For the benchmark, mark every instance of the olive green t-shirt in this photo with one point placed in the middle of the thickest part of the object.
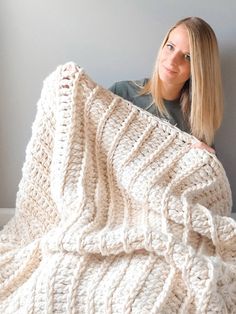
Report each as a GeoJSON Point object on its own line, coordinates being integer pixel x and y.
{"type": "Point", "coordinates": [130, 90]}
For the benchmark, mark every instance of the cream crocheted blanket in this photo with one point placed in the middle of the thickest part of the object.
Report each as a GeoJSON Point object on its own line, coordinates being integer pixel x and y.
{"type": "Point", "coordinates": [116, 212]}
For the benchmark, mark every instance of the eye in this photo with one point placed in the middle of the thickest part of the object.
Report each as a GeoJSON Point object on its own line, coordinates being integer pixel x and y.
{"type": "Point", "coordinates": [187, 57]}
{"type": "Point", "coordinates": [170, 46]}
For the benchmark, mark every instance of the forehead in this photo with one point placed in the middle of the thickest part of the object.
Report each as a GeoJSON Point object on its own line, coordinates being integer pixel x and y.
{"type": "Point", "coordinates": [179, 37]}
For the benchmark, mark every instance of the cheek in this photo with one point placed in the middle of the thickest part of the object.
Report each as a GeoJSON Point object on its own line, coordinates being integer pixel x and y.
{"type": "Point", "coordinates": [163, 55]}
{"type": "Point", "coordinates": [186, 72]}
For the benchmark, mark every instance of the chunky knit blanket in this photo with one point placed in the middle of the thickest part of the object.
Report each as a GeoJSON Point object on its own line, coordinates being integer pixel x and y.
{"type": "Point", "coordinates": [115, 212]}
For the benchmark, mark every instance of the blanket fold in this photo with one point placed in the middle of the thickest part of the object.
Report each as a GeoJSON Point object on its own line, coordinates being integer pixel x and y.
{"type": "Point", "coordinates": [115, 212]}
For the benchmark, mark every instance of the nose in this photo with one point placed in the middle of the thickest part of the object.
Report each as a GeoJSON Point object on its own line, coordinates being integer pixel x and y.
{"type": "Point", "coordinates": [174, 58]}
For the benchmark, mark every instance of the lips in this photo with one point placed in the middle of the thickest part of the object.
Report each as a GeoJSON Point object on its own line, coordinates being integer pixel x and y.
{"type": "Point", "coordinates": [169, 70]}
{"type": "Point", "coordinates": [167, 73]}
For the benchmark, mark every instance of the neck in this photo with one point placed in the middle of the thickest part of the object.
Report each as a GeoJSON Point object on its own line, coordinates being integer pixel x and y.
{"type": "Point", "coordinates": [170, 92]}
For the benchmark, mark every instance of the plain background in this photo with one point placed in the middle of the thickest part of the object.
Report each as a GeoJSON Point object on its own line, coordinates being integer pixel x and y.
{"type": "Point", "coordinates": [112, 40]}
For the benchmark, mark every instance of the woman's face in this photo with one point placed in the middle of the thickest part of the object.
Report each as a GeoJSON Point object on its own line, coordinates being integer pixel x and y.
{"type": "Point", "coordinates": [174, 62]}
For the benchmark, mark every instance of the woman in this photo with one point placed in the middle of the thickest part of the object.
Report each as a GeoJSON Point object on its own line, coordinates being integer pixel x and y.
{"type": "Point", "coordinates": [185, 87]}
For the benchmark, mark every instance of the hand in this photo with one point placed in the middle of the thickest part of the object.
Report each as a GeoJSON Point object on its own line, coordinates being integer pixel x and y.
{"type": "Point", "coordinates": [203, 145]}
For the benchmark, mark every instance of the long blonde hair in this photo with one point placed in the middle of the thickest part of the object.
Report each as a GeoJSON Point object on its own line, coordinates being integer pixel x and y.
{"type": "Point", "coordinates": [201, 96]}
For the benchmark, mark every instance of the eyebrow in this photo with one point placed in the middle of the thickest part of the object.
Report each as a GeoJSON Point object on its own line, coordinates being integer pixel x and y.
{"type": "Point", "coordinates": [171, 42]}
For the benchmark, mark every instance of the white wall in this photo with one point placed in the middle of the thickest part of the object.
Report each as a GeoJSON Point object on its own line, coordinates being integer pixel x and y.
{"type": "Point", "coordinates": [112, 40]}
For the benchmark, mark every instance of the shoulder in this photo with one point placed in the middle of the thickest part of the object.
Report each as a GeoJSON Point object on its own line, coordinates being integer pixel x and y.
{"type": "Point", "coordinates": [128, 89]}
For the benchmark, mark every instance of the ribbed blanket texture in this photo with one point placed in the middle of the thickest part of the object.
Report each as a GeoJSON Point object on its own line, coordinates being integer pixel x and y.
{"type": "Point", "coordinates": [116, 212]}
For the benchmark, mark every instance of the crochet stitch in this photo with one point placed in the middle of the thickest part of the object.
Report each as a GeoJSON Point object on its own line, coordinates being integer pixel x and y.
{"type": "Point", "coordinates": [115, 212]}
